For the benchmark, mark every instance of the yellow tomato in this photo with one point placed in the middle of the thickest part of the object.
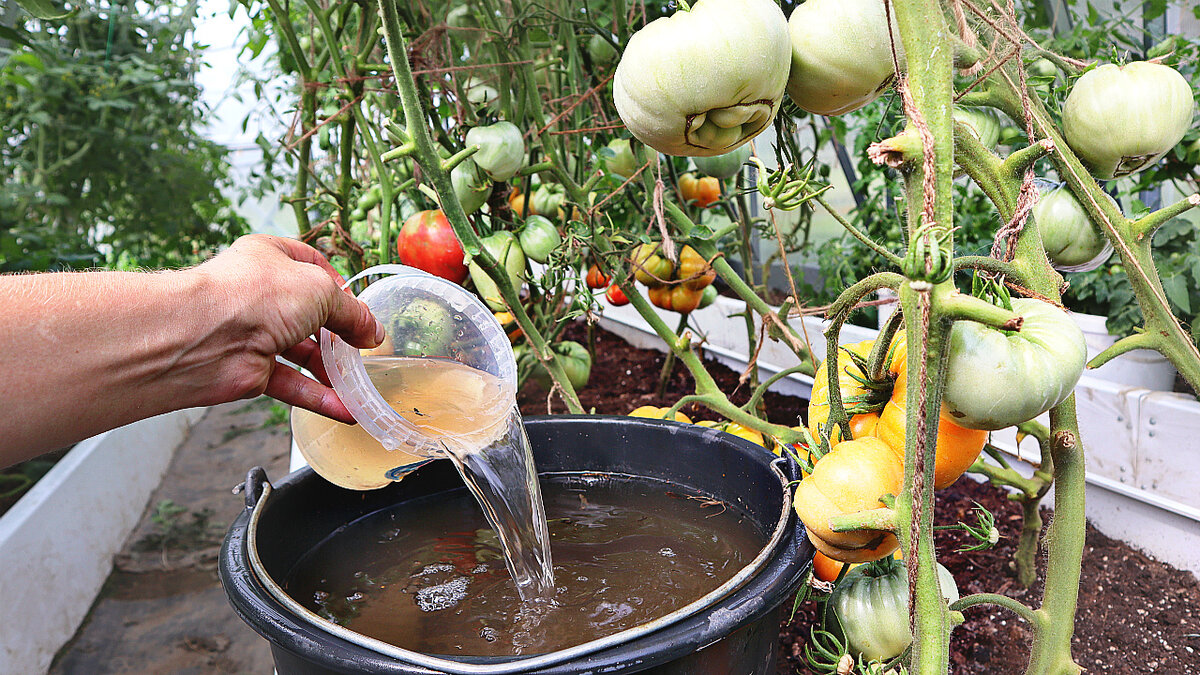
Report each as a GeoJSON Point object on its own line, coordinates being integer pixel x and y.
{"type": "Point", "coordinates": [737, 430]}
{"type": "Point", "coordinates": [656, 413]}
{"type": "Point", "coordinates": [510, 325]}
{"type": "Point", "coordinates": [818, 405]}
{"type": "Point", "coordinates": [851, 478]}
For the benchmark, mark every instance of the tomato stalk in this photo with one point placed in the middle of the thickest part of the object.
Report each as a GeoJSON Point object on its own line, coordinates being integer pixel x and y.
{"type": "Point", "coordinates": [427, 156]}
{"type": "Point", "coordinates": [924, 32]}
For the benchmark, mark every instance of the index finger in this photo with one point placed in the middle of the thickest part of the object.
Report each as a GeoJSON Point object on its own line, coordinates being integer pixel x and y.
{"type": "Point", "coordinates": [301, 252]}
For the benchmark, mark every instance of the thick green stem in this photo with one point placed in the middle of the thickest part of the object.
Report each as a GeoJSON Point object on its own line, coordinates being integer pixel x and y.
{"type": "Point", "coordinates": [926, 36]}
{"type": "Point", "coordinates": [1051, 653]}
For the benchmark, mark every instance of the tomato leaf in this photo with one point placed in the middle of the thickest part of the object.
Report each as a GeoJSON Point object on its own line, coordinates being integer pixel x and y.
{"type": "Point", "coordinates": [46, 9]}
{"type": "Point", "coordinates": [1177, 292]}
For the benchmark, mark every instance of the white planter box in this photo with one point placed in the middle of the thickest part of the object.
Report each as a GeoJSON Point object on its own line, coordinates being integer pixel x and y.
{"type": "Point", "coordinates": [1143, 446]}
{"type": "Point", "coordinates": [57, 543]}
{"type": "Point", "coordinates": [1143, 368]}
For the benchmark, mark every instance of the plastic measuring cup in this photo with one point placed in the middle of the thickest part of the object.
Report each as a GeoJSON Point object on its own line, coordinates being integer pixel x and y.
{"type": "Point", "coordinates": [454, 382]}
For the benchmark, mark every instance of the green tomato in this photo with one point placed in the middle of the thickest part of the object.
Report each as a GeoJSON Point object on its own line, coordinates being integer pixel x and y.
{"type": "Point", "coordinates": [996, 379]}
{"type": "Point", "coordinates": [470, 185]}
{"type": "Point", "coordinates": [507, 251]}
{"type": "Point", "coordinates": [539, 238]}
{"type": "Point", "coordinates": [723, 166]}
{"type": "Point", "coordinates": [548, 199]}
{"type": "Point", "coordinates": [480, 93]}
{"type": "Point", "coordinates": [360, 231]}
{"type": "Point", "coordinates": [371, 198]}
{"type": "Point", "coordinates": [1072, 242]}
{"type": "Point", "coordinates": [575, 361]}
{"type": "Point", "coordinates": [462, 17]}
{"type": "Point", "coordinates": [703, 81]}
{"type": "Point", "coordinates": [841, 55]}
{"type": "Point", "coordinates": [1121, 119]}
{"type": "Point", "coordinates": [983, 122]}
{"type": "Point", "coordinates": [501, 149]}
{"type": "Point", "coordinates": [624, 161]}
{"type": "Point", "coordinates": [709, 296]}
{"type": "Point", "coordinates": [601, 51]}
{"type": "Point", "coordinates": [873, 610]}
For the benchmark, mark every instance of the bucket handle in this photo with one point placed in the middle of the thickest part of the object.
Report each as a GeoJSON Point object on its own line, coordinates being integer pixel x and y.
{"type": "Point", "coordinates": [253, 486]}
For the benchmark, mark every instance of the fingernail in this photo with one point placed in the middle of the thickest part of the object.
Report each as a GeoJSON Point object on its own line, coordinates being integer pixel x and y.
{"type": "Point", "coordinates": [380, 334]}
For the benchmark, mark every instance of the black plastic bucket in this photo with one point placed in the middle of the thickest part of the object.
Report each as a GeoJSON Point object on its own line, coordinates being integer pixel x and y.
{"type": "Point", "coordinates": [732, 632]}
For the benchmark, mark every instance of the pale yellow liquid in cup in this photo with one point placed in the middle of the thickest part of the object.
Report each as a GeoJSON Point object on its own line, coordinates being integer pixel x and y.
{"type": "Point", "coordinates": [467, 407]}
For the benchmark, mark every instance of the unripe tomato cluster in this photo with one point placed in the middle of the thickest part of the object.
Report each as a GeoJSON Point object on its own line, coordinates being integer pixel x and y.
{"type": "Point", "coordinates": [676, 287]}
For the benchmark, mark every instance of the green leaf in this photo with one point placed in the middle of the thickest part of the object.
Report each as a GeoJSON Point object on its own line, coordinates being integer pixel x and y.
{"type": "Point", "coordinates": [46, 10]}
{"type": "Point", "coordinates": [14, 35]}
{"type": "Point", "coordinates": [1177, 292]}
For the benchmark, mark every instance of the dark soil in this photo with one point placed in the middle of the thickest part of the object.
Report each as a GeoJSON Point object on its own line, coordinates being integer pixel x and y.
{"type": "Point", "coordinates": [1135, 615]}
{"type": "Point", "coordinates": [624, 378]}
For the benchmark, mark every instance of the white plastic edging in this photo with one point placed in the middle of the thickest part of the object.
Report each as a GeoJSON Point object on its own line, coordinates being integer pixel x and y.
{"type": "Point", "coordinates": [58, 541]}
{"type": "Point", "coordinates": [1143, 456]}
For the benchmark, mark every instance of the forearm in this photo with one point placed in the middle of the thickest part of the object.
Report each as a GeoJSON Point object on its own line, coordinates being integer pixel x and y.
{"type": "Point", "coordinates": [86, 352]}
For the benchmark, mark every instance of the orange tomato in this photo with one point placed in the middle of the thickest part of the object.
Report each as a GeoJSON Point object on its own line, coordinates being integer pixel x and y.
{"type": "Point", "coordinates": [520, 205]}
{"type": "Point", "coordinates": [510, 325]}
{"type": "Point", "coordinates": [675, 298]}
{"type": "Point", "coordinates": [851, 478]}
{"type": "Point", "coordinates": [616, 297]}
{"type": "Point", "coordinates": [704, 191]}
{"type": "Point", "coordinates": [957, 447]}
{"type": "Point", "coordinates": [828, 569]}
{"type": "Point", "coordinates": [694, 270]}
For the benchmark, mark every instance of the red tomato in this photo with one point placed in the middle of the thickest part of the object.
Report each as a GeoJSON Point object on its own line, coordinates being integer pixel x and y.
{"type": "Point", "coordinates": [427, 242]}
{"type": "Point", "coordinates": [616, 297]}
{"type": "Point", "coordinates": [596, 279]}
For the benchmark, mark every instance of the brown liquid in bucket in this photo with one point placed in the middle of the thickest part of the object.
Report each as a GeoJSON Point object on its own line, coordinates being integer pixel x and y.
{"type": "Point", "coordinates": [429, 576]}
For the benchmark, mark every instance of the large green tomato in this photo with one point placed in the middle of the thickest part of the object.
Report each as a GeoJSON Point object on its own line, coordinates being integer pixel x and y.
{"type": "Point", "coordinates": [723, 166]}
{"type": "Point", "coordinates": [996, 379]}
{"type": "Point", "coordinates": [873, 610]}
{"type": "Point", "coordinates": [471, 186]}
{"type": "Point", "coordinates": [1072, 242]}
{"type": "Point", "coordinates": [704, 81]}
{"type": "Point", "coordinates": [841, 55]}
{"type": "Point", "coordinates": [539, 238]}
{"type": "Point", "coordinates": [501, 149]}
{"type": "Point", "coordinates": [507, 251]}
{"type": "Point", "coordinates": [983, 122]}
{"type": "Point", "coordinates": [575, 360]}
{"type": "Point", "coordinates": [1121, 119]}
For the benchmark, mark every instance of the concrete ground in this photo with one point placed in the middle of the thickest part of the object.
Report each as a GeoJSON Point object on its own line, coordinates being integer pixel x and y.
{"type": "Point", "coordinates": [162, 610]}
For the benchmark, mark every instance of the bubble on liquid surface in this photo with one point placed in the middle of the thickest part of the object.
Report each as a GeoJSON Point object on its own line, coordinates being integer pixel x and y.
{"type": "Point", "coordinates": [435, 568]}
{"type": "Point", "coordinates": [666, 552]}
{"type": "Point", "coordinates": [442, 596]}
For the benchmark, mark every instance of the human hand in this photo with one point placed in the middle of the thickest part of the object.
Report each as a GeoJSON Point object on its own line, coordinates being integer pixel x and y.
{"type": "Point", "coordinates": [269, 295]}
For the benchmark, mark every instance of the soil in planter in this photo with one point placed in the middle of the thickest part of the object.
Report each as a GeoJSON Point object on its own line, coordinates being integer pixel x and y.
{"type": "Point", "coordinates": [624, 377]}
{"type": "Point", "coordinates": [1135, 615]}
